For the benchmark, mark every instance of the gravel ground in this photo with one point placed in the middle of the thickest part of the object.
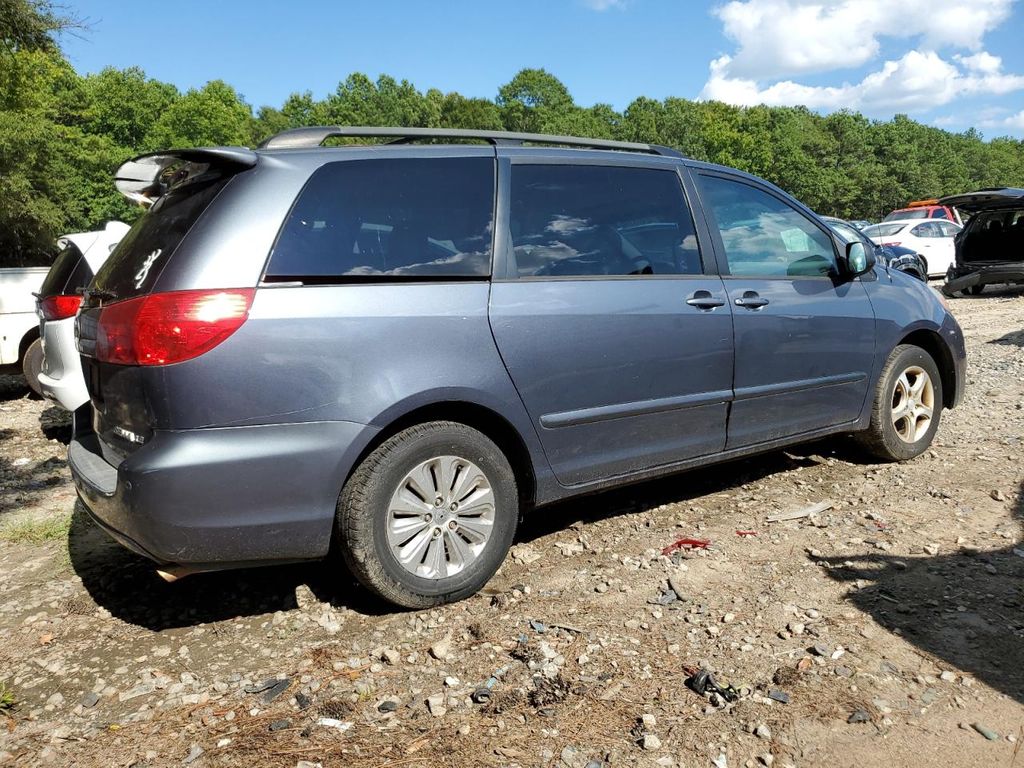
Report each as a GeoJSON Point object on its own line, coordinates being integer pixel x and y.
{"type": "Point", "coordinates": [885, 630]}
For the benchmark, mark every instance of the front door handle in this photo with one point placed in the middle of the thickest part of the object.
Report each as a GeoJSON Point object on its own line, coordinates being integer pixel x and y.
{"type": "Point", "coordinates": [751, 300]}
{"type": "Point", "coordinates": [704, 300]}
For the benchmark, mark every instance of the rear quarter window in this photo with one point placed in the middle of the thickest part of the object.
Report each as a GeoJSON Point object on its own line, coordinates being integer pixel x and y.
{"type": "Point", "coordinates": [393, 218]}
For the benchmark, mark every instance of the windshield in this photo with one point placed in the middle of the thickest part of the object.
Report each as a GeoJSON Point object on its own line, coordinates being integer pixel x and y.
{"type": "Point", "coordinates": [883, 230]}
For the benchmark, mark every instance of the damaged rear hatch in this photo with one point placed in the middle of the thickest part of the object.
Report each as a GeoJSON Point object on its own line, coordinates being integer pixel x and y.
{"type": "Point", "coordinates": [990, 249]}
{"type": "Point", "coordinates": [116, 348]}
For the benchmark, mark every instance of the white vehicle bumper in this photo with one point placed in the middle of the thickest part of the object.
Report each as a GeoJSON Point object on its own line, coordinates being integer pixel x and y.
{"type": "Point", "coordinates": [61, 378]}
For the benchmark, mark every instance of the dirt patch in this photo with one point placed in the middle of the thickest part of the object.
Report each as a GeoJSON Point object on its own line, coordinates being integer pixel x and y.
{"type": "Point", "coordinates": [877, 632]}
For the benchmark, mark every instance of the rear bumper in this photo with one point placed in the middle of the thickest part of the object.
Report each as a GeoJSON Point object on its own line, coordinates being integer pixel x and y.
{"type": "Point", "coordinates": [217, 498]}
{"type": "Point", "coordinates": [61, 378]}
{"type": "Point", "coordinates": [962, 277]}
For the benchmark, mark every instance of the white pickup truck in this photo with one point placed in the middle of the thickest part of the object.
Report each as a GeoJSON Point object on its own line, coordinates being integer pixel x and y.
{"type": "Point", "coordinates": [20, 349]}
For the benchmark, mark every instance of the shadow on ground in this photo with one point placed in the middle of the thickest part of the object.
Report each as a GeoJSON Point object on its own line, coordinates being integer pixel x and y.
{"type": "Point", "coordinates": [13, 387]}
{"type": "Point", "coordinates": [684, 486]}
{"type": "Point", "coordinates": [964, 609]}
{"type": "Point", "coordinates": [1011, 339]}
{"type": "Point", "coordinates": [24, 480]}
{"type": "Point", "coordinates": [990, 292]}
{"type": "Point", "coordinates": [128, 586]}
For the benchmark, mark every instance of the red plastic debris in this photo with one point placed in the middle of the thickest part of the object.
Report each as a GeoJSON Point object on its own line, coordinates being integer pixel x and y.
{"type": "Point", "coordinates": [686, 544]}
{"type": "Point", "coordinates": [746, 533]}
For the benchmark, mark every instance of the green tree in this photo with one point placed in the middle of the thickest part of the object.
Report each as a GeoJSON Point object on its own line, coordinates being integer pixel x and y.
{"type": "Point", "coordinates": [125, 105]}
{"type": "Point", "coordinates": [359, 101]}
{"type": "Point", "coordinates": [30, 25]}
{"type": "Point", "coordinates": [213, 115]}
{"type": "Point", "coordinates": [459, 112]}
{"type": "Point", "coordinates": [62, 135]}
{"type": "Point", "coordinates": [532, 99]}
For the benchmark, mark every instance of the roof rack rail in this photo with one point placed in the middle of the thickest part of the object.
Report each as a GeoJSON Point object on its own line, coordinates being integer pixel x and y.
{"type": "Point", "coordinates": [314, 136]}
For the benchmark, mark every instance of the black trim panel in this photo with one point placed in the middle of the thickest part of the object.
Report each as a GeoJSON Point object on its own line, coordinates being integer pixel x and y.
{"type": "Point", "coordinates": [641, 408]}
{"type": "Point", "coordinates": [801, 385]}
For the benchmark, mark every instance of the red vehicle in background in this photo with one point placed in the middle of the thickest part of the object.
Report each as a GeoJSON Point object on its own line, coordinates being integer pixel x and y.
{"type": "Point", "coordinates": [925, 209]}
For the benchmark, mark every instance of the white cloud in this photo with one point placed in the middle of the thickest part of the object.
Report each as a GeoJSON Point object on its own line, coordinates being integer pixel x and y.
{"type": "Point", "coordinates": [919, 80]}
{"type": "Point", "coordinates": [779, 38]}
{"type": "Point", "coordinates": [604, 5]}
{"type": "Point", "coordinates": [1013, 122]}
{"type": "Point", "coordinates": [984, 63]}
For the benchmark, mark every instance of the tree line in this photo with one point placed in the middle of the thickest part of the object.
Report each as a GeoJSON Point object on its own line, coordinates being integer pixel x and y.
{"type": "Point", "coordinates": [63, 134]}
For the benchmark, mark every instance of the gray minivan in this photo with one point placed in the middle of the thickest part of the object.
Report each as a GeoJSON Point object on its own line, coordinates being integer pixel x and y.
{"type": "Point", "coordinates": [395, 349]}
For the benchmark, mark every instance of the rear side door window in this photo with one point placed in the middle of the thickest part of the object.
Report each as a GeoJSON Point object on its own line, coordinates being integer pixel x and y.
{"type": "Point", "coordinates": [390, 218]}
{"type": "Point", "coordinates": [931, 229]}
{"type": "Point", "coordinates": [591, 220]}
{"type": "Point", "coordinates": [763, 236]}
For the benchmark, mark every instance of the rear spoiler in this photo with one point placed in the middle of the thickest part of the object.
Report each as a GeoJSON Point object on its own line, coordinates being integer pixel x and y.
{"type": "Point", "coordinates": [146, 178]}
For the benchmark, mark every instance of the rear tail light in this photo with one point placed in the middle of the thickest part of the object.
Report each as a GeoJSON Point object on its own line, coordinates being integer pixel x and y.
{"type": "Point", "coordinates": [165, 328]}
{"type": "Point", "coordinates": [59, 307]}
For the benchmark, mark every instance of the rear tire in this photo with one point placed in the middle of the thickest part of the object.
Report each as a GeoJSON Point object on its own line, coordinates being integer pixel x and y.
{"type": "Point", "coordinates": [32, 364]}
{"type": "Point", "coordinates": [907, 406]}
{"type": "Point", "coordinates": [399, 523]}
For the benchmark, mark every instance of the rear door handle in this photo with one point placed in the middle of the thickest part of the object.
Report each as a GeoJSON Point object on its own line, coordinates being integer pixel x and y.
{"type": "Point", "coordinates": [704, 300]}
{"type": "Point", "coordinates": [751, 300]}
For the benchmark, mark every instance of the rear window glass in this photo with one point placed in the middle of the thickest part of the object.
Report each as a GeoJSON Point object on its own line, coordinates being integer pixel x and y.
{"type": "Point", "coordinates": [70, 270]}
{"type": "Point", "coordinates": [883, 230]}
{"type": "Point", "coordinates": [390, 218]}
{"type": "Point", "coordinates": [908, 213]}
{"type": "Point", "coordinates": [137, 260]}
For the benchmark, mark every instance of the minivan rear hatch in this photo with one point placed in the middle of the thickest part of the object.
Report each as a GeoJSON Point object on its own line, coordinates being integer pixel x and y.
{"type": "Point", "coordinates": [986, 199]}
{"type": "Point", "coordinates": [177, 187]}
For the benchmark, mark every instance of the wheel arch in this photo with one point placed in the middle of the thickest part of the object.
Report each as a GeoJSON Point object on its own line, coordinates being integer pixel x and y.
{"type": "Point", "coordinates": [931, 342]}
{"type": "Point", "coordinates": [26, 341]}
{"type": "Point", "coordinates": [482, 418]}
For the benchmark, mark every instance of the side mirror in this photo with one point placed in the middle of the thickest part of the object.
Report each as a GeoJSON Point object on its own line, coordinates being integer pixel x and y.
{"type": "Point", "coordinates": [858, 260]}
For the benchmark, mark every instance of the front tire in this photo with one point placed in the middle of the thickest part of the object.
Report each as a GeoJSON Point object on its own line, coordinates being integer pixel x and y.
{"type": "Point", "coordinates": [428, 517]}
{"type": "Point", "coordinates": [907, 406]}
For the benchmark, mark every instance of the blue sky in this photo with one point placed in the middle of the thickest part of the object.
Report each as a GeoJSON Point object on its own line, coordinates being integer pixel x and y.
{"type": "Point", "coordinates": [952, 64]}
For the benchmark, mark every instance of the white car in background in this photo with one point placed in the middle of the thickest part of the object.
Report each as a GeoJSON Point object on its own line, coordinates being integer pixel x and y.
{"type": "Point", "coordinates": [20, 350]}
{"type": "Point", "coordinates": [931, 238]}
{"type": "Point", "coordinates": [80, 257]}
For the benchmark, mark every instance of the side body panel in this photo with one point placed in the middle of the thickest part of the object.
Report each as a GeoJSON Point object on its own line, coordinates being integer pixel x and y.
{"type": "Point", "coordinates": [618, 373]}
{"type": "Point", "coordinates": [804, 348]}
{"type": "Point", "coordinates": [903, 305]}
{"type": "Point", "coordinates": [803, 361]}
